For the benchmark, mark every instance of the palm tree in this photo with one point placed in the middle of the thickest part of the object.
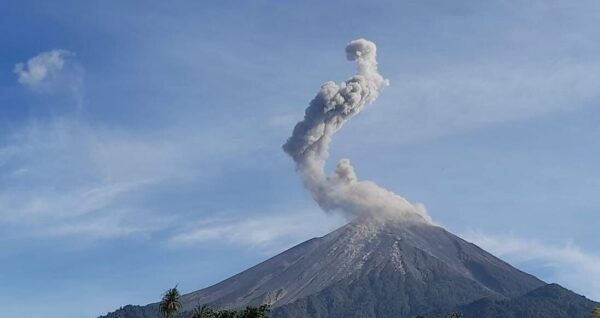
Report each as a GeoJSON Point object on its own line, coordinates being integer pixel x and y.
{"type": "Point", "coordinates": [170, 304]}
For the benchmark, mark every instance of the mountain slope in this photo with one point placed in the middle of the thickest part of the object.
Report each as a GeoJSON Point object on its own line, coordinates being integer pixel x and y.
{"type": "Point", "coordinates": [410, 269]}
{"type": "Point", "coordinates": [413, 252]}
{"type": "Point", "coordinates": [367, 269]}
{"type": "Point", "coordinates": [550, 300]}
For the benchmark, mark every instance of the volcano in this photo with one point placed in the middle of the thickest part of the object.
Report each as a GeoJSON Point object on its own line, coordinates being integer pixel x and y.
{"type": "Point", "coordinates": [390, 261]}
{"type": "Point", "coordinates": [371, 268]}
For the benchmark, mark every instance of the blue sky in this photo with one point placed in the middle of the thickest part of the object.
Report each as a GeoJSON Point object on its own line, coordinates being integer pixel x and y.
{"type": "Point", "coordinates": [149, 152]}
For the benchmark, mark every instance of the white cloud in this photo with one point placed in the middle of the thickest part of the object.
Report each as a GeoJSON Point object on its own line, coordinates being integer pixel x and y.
{"type": "Point", "coordinates": [57, 183]}
{"type": "Point", "coordinates": [267, 231]}
{"type": "Point", "coordinates": [85, 210]}
{"type": "Point", "coordinates": [53, 72]}
{"type": "Point", "coordinates": [42, 67]}
{"type": "Point", "coordinates": [114, 224]}
{"type": "Point", "coordinates": [568, 264]}
{"type": "Point", "coordinates": [65, 178]}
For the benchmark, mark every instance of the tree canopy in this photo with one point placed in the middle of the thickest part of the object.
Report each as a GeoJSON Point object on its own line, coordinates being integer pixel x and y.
{"type": "Point", "coordinates": [170, 304]}
{"type": "Point", "coordinates": [249, 312]}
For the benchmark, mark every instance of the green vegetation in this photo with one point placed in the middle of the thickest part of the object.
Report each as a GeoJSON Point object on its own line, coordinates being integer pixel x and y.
{"type": "Point", "coordinates": [596, 313]}
{"type": "Point", "coordinates": [250, 312]}
{"type": "Point", "coordinates": [170, 304]}
{"type": "Point", "coordinates": [452, 315]}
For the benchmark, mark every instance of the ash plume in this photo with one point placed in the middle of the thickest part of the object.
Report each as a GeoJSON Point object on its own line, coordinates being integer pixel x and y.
{"type": "Point", "coordinates": [326, 114]}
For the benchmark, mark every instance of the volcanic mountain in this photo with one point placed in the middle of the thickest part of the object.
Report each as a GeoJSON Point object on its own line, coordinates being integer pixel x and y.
{"type": "Point", "coordinates": [370, 268]}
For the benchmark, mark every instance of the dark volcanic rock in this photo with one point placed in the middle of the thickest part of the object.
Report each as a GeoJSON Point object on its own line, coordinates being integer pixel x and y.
{"type": "Point", "coordinates": [410, 269]}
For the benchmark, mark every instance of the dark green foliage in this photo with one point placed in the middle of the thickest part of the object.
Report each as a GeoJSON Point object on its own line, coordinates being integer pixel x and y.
{"type": "Point", "coordinates": [452, 315]}
{"type": "Point", "coordinates": [169, 305]}
{"type": "Point", "coordinates": [131, 311]}
{"type": "Point", "coordinates": [254, 312]}
{"type": "Point", "coordinates": [249, 312]}
{"type": "Point", "coordinates": [203, 312]}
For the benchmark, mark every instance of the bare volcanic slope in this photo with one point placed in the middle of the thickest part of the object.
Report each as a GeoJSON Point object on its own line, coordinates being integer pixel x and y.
{"type": "Point", "coordinates": [366, 269]}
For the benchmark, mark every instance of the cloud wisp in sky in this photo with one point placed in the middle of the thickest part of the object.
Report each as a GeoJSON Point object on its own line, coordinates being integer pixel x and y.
{"type": "Point", "coordinates": [568, 264]}
{"type": "Point", "coordinates": [63, 178]}
{"type": "Point", "coordinates": [56, 186]}
{"type": "Point", "coordinates": [54, 71]}
{"type": "Point", "coordinates": [333, 106]}
{"type": "Point", "coordinates": [267, 232]}
{"type": "Point", "coordinates": [42, 68]}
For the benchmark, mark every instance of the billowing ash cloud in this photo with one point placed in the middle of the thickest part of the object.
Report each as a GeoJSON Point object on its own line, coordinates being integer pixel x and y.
{"type": "Point", "coordinates": [308, 146]}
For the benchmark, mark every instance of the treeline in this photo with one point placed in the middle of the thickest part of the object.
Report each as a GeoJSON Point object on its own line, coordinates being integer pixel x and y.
{"type": "Point", "coordinates": [170, 305]}
{"type": "Point", "coordinates": [250, 312]}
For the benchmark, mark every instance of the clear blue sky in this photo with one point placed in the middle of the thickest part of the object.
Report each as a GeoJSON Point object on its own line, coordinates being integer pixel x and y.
{"type": "Point", "coordinates": [142, 147]}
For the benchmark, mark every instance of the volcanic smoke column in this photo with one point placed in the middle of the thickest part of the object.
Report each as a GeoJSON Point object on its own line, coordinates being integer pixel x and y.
{"type": "Point", "coordinates": [308, 146]}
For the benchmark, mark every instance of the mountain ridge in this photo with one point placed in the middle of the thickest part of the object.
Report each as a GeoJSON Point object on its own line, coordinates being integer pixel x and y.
{"type": "Point", "coordinates": [551, 300]}
{"type": "Point", "coordinates": [367, 268]}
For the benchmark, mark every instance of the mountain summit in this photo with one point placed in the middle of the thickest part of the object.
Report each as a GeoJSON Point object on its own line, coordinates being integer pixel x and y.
{"type": "Point", "coordinates": [368, 268]}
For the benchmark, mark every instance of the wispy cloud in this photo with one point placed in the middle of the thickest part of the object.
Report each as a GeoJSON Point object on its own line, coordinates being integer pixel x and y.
{"type": "Point", "coordinates": [64, 178]}
{"type": "Point", "coordinates": [568, 264]}
{"type": "Point", "coordinates": [265, 231]}
{"type": "Point", "coordinates": [86, 210]}
{"type": "Point", "coordinates": [55, 183]}
{"type": "Point", "coordinates": [42, 67]}
{"type": "Point", "coordinates": [54, 71]}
